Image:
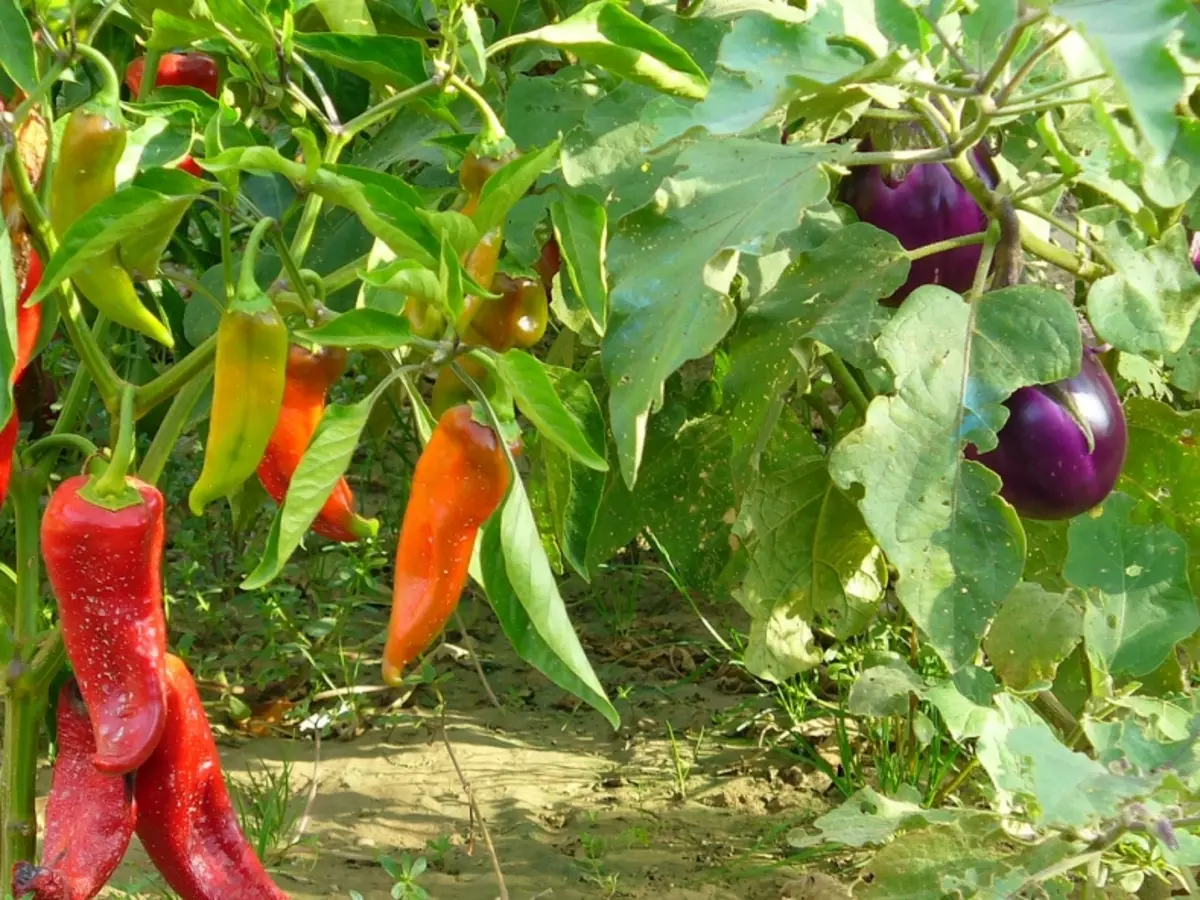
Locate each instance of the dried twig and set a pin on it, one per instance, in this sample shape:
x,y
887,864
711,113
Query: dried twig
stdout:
x,y
469,643
474,807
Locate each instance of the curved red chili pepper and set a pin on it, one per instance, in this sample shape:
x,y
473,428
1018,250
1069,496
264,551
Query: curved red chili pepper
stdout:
x,y
89,818
309,377
186,821
105,567
29,326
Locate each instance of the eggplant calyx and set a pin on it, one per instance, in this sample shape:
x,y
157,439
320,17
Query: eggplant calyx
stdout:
x,y
1066,399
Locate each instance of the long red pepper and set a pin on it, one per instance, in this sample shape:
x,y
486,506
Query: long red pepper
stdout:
x,y
89,818
29,325
309,377
460,479
186,821
105,566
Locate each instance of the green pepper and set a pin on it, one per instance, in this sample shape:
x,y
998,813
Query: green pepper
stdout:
x,y
92,143
248,383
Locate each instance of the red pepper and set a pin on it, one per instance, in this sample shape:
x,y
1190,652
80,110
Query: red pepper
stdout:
x,y
186,821
198,70
310,375
460,479
105,566
89,818
29,325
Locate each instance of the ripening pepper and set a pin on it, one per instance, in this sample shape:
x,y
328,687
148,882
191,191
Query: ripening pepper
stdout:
x,y
90,816
549,262
92,143
29,326
248,383
105,567
480,261
310,375
198,70
516,319
461,477
186,822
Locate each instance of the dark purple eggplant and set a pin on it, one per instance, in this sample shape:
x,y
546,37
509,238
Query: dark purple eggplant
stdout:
x,y
1050,465
922,205
1196,250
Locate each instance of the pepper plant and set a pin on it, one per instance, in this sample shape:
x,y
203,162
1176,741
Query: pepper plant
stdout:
x,y
856,311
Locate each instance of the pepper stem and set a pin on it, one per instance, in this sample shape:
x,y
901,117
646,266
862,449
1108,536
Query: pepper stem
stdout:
x,y
112,482
108,96
247,283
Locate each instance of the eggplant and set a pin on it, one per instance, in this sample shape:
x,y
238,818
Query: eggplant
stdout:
x,y
1050,466
921,205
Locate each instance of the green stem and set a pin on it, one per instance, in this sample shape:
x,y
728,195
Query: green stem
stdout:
x,y
312,206
1026,67
493,131
979,282
227,276
886,157
8,596
1058,88
382,110
50,658
247,283
22,710
968,240
295,278
112,482
149,75
993,75
58,442
845,382
171,428
170,382
821,408
108,96
73,405
1065,228
195,285
40,90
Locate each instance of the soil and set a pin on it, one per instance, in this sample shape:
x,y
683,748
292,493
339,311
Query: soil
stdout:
x,y
574,808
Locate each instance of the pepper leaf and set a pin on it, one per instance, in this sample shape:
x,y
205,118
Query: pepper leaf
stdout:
x,y
396,61
511,564
610,36
534,391
361,329
150,199
323,464
509,184
17,54
581,230
1140,603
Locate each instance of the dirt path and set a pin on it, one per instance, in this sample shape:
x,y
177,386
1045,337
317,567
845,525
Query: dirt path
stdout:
x,y
575,809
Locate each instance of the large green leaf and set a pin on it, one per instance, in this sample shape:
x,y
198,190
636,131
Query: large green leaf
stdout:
x,y
809,550
1034,630
831,294
1132,38
1140,604
728,195
1150,304
1162,470
959,549
581,230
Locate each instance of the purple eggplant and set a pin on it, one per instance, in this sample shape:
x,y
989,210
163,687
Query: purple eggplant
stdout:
x,y
922,205
1050,468
1196,250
